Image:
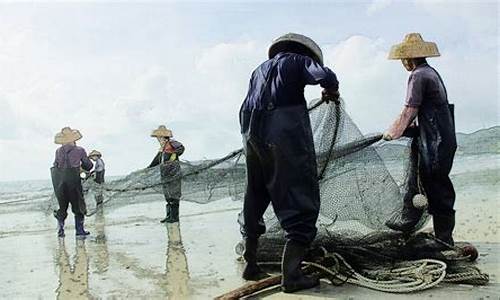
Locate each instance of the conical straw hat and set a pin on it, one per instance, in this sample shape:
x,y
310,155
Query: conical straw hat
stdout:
x,y
161,131
413,46
94,153
277,45
67,135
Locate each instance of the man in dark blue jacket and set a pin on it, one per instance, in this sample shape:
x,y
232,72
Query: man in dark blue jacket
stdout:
x,y
280,156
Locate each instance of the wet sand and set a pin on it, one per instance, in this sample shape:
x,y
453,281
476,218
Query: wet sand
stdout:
x,y
129,254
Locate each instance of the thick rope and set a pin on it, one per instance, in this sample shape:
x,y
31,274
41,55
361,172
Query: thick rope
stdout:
x,y
411,276
473,276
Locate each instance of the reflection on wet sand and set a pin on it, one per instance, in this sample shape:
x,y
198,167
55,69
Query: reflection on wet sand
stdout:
x,y
100,247
73,280
177,273
74,271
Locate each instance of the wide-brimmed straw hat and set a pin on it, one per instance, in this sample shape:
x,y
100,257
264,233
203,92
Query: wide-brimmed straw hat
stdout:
x,y
162,131
413,46
67,135
280,43
95,153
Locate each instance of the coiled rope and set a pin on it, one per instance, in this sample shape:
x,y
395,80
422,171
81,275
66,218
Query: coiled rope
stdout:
x,y
406,277
403,277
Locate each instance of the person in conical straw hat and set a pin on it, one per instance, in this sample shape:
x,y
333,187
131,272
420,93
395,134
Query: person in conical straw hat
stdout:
x,y
428,117
99,170
279,150
66,181
168,160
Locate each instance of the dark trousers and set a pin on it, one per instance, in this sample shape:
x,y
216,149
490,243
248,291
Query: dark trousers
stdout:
x,y
171,181
440,193
286,177
68,190
99,177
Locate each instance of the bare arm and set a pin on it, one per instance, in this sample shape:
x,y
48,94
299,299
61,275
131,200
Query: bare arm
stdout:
x,y
401,123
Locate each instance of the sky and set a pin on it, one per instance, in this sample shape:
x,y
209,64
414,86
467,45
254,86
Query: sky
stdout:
x,y
117,70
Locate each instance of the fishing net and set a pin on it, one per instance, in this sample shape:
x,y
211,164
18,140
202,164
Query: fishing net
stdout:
x,y
362,184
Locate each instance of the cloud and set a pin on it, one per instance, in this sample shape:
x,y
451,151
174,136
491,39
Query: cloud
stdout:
x,y
119,80
377,5
372,86
224,71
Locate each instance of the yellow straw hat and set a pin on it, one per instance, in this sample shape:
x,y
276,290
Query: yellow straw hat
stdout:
x,y
279,44
67,135
95,153
413,46
162,131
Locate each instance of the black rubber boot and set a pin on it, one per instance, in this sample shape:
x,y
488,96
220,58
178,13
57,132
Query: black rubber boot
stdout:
x,y
175,213
60,224
168,213
443,228
409,218
172,212
60,228
79,227
252,270
293,279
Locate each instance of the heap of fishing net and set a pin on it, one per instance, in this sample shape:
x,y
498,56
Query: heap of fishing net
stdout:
x,y
362,184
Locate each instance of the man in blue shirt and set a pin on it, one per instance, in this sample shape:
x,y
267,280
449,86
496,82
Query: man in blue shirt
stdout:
x,y
280,156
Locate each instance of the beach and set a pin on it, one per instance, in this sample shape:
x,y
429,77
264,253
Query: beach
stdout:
x,y
129,254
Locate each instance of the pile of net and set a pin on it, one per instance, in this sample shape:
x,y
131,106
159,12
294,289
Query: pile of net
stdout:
x,y
362,184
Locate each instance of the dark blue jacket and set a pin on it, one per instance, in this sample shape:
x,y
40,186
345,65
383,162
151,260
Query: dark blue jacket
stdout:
x,y
292,73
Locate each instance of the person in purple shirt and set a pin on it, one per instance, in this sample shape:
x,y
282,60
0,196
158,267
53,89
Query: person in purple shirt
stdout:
x,y
66,179
280,156
434,137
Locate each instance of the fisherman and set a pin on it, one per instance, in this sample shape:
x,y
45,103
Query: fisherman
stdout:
x,y
427,102
98,167
98,172
170,170
280,156
66,179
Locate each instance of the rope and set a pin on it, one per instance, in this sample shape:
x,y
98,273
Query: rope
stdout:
x,y
473,276
408,277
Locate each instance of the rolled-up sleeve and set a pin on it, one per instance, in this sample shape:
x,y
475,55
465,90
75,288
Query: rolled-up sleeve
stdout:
x,y
314,73
414,92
